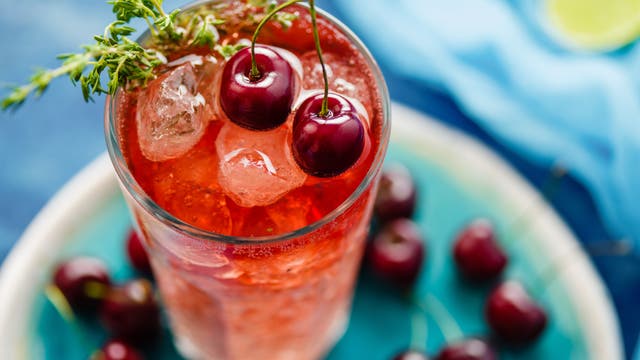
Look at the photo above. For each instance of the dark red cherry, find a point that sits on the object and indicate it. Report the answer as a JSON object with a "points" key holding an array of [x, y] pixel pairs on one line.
{"points": [[396, 196], [477, 253], [327, 145], [259, 103], [397, 252], [411, 355], [83, 281], [130, 311], [513, 315], [118, 350], [468, 349], [138, 256]]}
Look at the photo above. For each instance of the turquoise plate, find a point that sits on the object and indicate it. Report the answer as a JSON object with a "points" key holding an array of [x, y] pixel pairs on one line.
{"points": [[459, 180]]}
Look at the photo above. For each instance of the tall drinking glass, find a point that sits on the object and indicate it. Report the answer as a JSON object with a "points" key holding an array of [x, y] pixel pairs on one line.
{"points": [[280, 292]]}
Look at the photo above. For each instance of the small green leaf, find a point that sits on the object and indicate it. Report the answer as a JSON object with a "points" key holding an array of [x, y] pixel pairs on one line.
{"points": [[207, 33], [285, 19], [260, 3], [229, 50]]}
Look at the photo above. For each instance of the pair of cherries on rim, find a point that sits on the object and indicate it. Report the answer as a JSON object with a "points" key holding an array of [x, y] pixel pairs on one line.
{"points": [[327, 139]]}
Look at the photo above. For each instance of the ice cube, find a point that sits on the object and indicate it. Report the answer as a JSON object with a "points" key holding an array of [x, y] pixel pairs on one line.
{"points": [[256, 167], [347, 76], [292, 212], [171, 114]]}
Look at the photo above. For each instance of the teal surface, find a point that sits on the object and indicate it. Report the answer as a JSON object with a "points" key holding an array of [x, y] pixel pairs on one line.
{"points": [[383, 321]]}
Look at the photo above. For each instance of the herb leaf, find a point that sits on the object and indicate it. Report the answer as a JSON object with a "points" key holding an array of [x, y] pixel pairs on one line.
{"points": [[228, 50], [127, 63], [206, 32]]}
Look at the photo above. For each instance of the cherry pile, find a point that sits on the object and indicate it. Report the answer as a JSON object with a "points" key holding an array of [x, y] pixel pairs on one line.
{"points": [[129, 311], [397, 250], [396, 254], [258, 89]]}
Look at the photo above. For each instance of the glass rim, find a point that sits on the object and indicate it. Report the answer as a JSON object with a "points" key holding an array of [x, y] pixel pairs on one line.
{"points": [[132, 187]]}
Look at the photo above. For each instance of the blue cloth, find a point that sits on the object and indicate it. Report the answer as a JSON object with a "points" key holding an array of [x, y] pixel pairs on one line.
{"points": [[548, 104], [501, 65]]}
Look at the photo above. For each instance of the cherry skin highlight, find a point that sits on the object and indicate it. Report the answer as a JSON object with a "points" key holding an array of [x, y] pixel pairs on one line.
{"points": [[326, 146], [75, 277], [513, 315], [411, 355], [263, 102], [130, 312], [468, 349], [397, 252], [476, 252], [118, 350]]}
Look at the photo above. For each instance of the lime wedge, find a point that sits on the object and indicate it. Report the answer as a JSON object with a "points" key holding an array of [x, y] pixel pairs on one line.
{"points": [[596, 24]]}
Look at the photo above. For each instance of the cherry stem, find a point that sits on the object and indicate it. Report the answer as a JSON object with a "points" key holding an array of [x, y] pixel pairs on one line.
{"points": [[324, 110], [96, 290], [59, 302], [448, 326], [255, 72], [419, 331], [63, 308]]}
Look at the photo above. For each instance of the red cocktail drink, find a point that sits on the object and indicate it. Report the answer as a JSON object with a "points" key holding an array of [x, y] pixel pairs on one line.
{"points": [[254, 258]]}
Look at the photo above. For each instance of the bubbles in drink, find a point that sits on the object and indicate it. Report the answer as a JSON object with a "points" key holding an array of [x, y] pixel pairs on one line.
{"points": [[346, 76], [186, 187], [256, 167], [171, 114], [292, 212]]}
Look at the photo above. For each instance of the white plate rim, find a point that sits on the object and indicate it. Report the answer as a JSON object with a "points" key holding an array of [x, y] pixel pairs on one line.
{"points": [[69, 207]]}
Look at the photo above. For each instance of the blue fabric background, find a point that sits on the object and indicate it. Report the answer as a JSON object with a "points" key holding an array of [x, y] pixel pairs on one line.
{"points": [[47, 141]]}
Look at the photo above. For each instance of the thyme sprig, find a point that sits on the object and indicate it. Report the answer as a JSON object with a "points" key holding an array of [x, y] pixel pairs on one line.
{"points": [[126, 62], [129, 64]]}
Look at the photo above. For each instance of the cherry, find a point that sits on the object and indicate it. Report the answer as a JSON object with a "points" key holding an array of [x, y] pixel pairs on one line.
{"points": [[468, 349], [138, 256], [259, 102], [82, 281], [131, 312], [118, 350], [328, 145], [476, 252], [513, 315], [411, 355], [396, 196], [397, 252]]}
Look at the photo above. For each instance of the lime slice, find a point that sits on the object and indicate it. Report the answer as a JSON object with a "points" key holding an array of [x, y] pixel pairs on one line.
{"points": [[596, 24]]}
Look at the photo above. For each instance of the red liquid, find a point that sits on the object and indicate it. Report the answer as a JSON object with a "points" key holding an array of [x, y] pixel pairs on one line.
{"points": [[285, 299]]}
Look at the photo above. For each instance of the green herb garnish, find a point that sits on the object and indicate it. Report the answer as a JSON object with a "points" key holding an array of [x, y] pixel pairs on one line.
{"points": [[125, 61], [129, 64]]}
